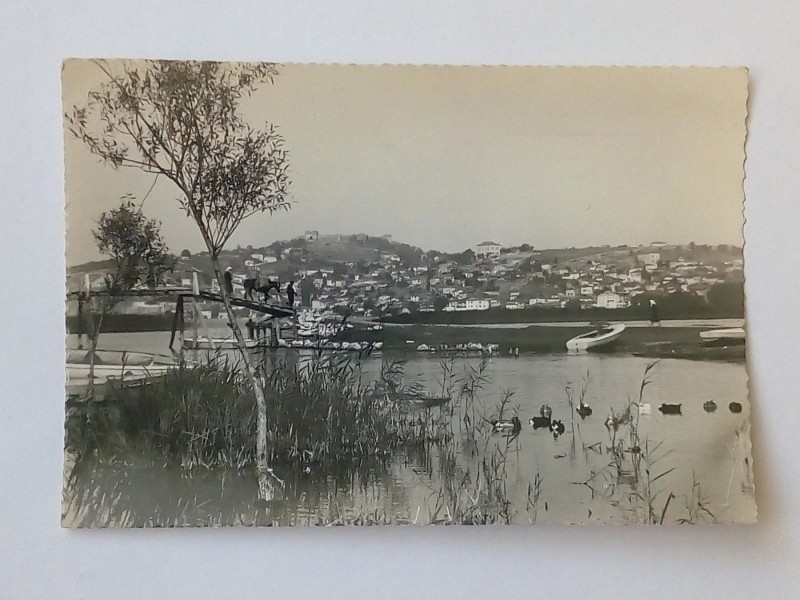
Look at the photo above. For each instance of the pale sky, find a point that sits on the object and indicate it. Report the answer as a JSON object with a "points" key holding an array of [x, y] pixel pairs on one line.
{"points": [[447, 157]]}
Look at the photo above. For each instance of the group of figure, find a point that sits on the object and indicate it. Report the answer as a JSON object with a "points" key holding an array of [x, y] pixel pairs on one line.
{"points": [[545, 419], [252, 285]]}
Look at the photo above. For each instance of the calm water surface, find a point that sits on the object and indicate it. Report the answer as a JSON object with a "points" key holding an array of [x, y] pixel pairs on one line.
{"points": [[575, 482]]}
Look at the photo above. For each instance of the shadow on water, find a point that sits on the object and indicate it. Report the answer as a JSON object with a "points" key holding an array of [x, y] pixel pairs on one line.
{"points": [[102, 495], [420, 464]]}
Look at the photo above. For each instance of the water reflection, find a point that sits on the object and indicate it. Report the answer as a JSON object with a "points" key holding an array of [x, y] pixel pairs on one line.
{"points": [[677, 468]]}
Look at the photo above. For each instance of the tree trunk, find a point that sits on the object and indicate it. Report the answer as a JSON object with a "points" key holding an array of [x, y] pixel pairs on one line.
{"points": [[266, 486], [95, 334]]}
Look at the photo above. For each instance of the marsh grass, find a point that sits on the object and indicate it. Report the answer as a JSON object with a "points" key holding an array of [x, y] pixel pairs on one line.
{"points": [[636, 467], [348, 431], [322, 413], [200, 423]]}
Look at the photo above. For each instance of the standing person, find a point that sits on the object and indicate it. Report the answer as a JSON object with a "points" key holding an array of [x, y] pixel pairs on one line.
{"points": [[229, 281], [654, 318], [516, 352], [290, 293], [251, 328]]}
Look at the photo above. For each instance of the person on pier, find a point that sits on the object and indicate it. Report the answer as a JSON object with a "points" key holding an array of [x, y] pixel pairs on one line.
{"points": [[290, 293], [251, 328], [228, 277], [654, 317]]}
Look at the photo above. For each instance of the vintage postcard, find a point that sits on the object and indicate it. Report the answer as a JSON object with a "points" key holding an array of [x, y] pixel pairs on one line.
{"points": [[385, 295]]}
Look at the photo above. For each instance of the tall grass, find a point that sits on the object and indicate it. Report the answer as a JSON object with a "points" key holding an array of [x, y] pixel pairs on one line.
{"points": [[322, 413], [347, 430]]}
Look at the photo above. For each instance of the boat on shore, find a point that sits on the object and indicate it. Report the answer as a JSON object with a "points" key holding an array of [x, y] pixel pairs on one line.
{"points": [[205, 343], [117, 366], [603, 335], [723, 337], [466, 349], [330, 345]]}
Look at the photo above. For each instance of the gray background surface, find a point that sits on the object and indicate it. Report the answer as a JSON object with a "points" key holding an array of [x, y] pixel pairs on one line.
{"points": [[40, 560]]}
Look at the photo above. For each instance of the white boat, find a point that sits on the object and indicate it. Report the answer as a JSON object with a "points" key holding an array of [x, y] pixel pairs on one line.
{"points": [[205, 343], [602, 336], [731, 335], [115, 365]]}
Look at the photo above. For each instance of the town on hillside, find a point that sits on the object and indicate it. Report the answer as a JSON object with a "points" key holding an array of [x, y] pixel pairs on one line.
{"points": [[375, 277]]}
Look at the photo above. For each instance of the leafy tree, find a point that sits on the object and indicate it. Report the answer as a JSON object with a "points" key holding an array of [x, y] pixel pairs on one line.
{"points": [[185, 253], [409, 255], [467, 257], [727, 297], [440, 303], [179, 120], [277, 249], [138, 256]]}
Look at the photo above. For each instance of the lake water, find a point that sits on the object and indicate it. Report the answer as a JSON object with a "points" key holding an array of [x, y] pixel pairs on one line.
{"points": [[698, 323], [569, 479]]}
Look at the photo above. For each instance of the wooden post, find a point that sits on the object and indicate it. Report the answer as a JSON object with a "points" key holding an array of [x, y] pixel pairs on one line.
{"points": [[195, 319], [177, 319], [80, 320], [87, 289]]}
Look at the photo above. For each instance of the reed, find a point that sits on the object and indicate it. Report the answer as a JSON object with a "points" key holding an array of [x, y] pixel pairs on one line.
{"points": [[200, 422], [206, 417]]}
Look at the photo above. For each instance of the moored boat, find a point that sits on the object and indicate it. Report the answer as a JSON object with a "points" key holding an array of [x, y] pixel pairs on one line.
{"points": [[124, 367], [731, 335], [602, 336], [205, 343], [309, 344]]}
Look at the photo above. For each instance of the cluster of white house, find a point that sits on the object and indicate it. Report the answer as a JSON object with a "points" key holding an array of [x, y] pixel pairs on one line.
{"points": [[497, 278]]}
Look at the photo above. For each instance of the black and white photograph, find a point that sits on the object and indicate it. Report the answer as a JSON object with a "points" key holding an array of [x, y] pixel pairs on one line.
{"points": [[329, 295]]}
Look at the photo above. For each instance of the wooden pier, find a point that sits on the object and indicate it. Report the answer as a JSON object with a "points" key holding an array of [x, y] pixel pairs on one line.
{"points": [[193, 293], [274, 310]]}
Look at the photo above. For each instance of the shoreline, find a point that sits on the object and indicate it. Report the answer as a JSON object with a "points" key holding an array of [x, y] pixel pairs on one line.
{"points": [[675, 340], [653, 342]]}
